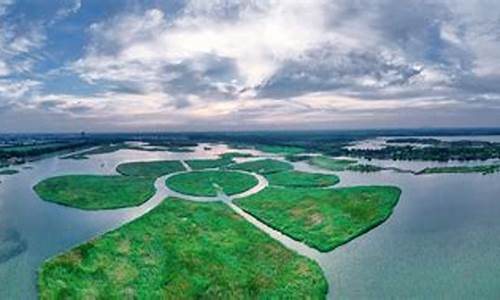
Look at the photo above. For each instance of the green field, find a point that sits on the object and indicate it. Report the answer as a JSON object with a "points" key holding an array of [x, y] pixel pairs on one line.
{"points": [[231, 155], [280, 149], [301, 179], [331, 164], [96, 192], [483, 169], [263, 166], [182, 250], [207, 183], [323, 218], [200, 164], [8, 172], [152, 169]]}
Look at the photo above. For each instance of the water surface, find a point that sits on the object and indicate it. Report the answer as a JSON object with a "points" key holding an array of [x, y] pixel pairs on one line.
{"points": [[441, 241]]}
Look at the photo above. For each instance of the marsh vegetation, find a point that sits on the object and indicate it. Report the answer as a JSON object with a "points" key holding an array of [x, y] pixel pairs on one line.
{"points": [[323, 218], [152, 169], [93, 192], [196, 250], [210, 183]]}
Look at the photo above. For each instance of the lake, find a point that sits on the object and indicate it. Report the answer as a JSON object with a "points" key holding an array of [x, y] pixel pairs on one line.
{"points": [[440, 242]]}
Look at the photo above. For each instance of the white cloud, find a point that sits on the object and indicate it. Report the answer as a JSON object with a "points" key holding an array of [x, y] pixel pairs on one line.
{"points": [[237, 63], [259, 40], [71, 7]]}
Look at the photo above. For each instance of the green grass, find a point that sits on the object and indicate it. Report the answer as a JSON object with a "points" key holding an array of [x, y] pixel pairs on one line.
{"points": [[263, 166], [152, 169], [206, 183], [483, 169], [331, 164], [182, 250], [301, 179], [364, 168], [280, 149], [200, 164], [323, 218], [96, 192], [8, 172], [231, 155]]}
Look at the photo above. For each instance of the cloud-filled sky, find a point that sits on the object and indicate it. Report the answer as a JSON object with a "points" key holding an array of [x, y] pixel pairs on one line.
{"points": [[174, 65]]}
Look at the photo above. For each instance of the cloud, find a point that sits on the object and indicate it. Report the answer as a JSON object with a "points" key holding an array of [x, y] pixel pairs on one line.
{"points": [[251, 42], [68, 7], [245, 64]]}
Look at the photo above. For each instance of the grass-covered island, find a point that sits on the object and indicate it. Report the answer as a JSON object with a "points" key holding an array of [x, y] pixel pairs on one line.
{"points": [[323, 218], [8, 172], [96, 192], [200, 164], [483, 169], [332, 164], [301, 179], [182, 249], [152, 169], [262, 166], [336, 164], [208, 183], [277, 149]]}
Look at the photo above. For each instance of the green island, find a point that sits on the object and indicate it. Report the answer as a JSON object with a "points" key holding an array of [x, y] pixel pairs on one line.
{"points": [[209, 183], [483, 169], [331, 164], [334, 164], [197, 250], [231, 155], [152, 169], [200, 164], [262, 166], [323, 218], [277, 149], [8, 172], [205, 250], [91, 192], [301, 179]]}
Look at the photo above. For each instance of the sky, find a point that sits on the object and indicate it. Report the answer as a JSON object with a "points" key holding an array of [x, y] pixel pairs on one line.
{"points": [[209, 65]]}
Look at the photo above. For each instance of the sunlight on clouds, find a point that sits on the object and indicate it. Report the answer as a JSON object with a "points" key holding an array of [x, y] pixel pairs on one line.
{"points": [[258, 40], [241, 64]]}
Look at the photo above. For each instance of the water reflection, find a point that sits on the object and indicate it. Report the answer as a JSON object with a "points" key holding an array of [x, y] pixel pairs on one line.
{"points": [[11, 244]]}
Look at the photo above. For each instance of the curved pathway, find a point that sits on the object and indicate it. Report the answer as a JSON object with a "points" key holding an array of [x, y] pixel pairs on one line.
{"points": [[262, 183]]}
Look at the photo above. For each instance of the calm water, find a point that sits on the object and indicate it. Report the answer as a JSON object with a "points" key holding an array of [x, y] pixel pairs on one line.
{"points": [[441, 241], [32, 230]]}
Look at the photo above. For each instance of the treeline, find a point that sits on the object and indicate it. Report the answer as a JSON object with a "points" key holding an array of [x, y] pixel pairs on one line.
{"points": [[27, 151], [444, 151]]}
